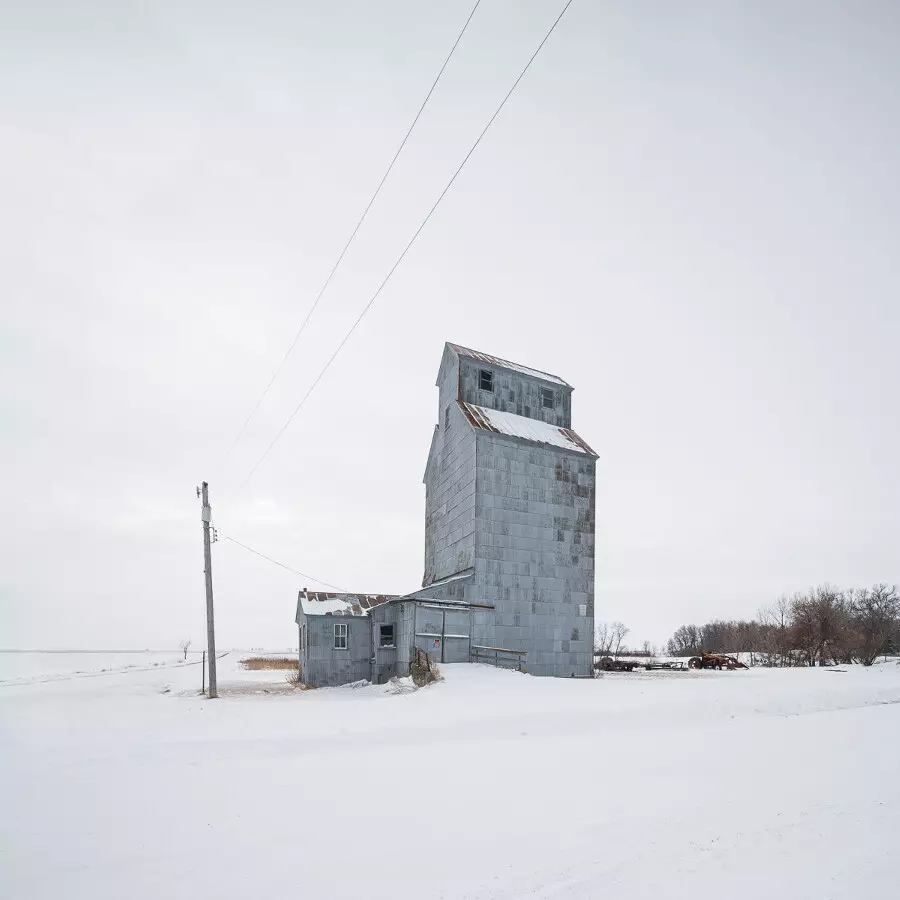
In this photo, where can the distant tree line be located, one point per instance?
(823, 624)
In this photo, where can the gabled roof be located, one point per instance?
(506, 364)
(325, 603)
(526, 429)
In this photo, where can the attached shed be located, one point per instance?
(373, 637)
(439, 628)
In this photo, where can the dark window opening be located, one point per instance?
(385, 635)
(486, 380)
(547, 398)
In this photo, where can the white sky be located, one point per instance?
(688, 211)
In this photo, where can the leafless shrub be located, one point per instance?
(423, 670)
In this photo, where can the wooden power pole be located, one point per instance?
(206, 515)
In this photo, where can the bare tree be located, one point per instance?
(874, 614)
(805, 628)
(619, 631)
(603, 639)
(184, 647)
(773, 629)
(685, 641)
(820, 624)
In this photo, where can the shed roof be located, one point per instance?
(326, 603)
(506, 364)
(532, 430)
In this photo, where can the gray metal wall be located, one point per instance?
(534, 558)
(450, 492)
(322, 665)
(385, 658)
(514, 393)
(405, 613)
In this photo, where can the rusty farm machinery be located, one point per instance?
(716, 661)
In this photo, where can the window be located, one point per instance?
(486, 380)
(385, 635)
(302, 638)
(446, 418)
(340, 636)
(547, 398)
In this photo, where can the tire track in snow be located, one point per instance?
(124, 670)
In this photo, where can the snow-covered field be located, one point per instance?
(25, 667)
(491, 784)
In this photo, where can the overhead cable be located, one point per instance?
(282, 565)
(400, 258)
(349, 241)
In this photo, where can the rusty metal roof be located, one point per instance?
(326, 603)
(533, 430)
(506, 364)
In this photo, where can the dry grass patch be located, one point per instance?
(270, 662)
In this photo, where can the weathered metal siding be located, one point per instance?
(406, 628)
(515, 393)
(384, 666)
(450, 489)
(325, 666)
(456, 643)
(301, 620)
(534, 558)
(404, 616)
(429, 628)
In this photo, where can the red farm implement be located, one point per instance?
(715, 661)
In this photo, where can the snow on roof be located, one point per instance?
(324, 603)
(525, 428)
(506, 364)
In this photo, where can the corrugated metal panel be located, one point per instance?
(327, 665)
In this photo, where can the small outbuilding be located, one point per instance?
(373, 637)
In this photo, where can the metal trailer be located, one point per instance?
(608, 664)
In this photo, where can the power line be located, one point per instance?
(282, 565)
(412, 240)
(343, 252)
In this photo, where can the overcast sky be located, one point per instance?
(688, 210)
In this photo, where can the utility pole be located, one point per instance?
(206, 515)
